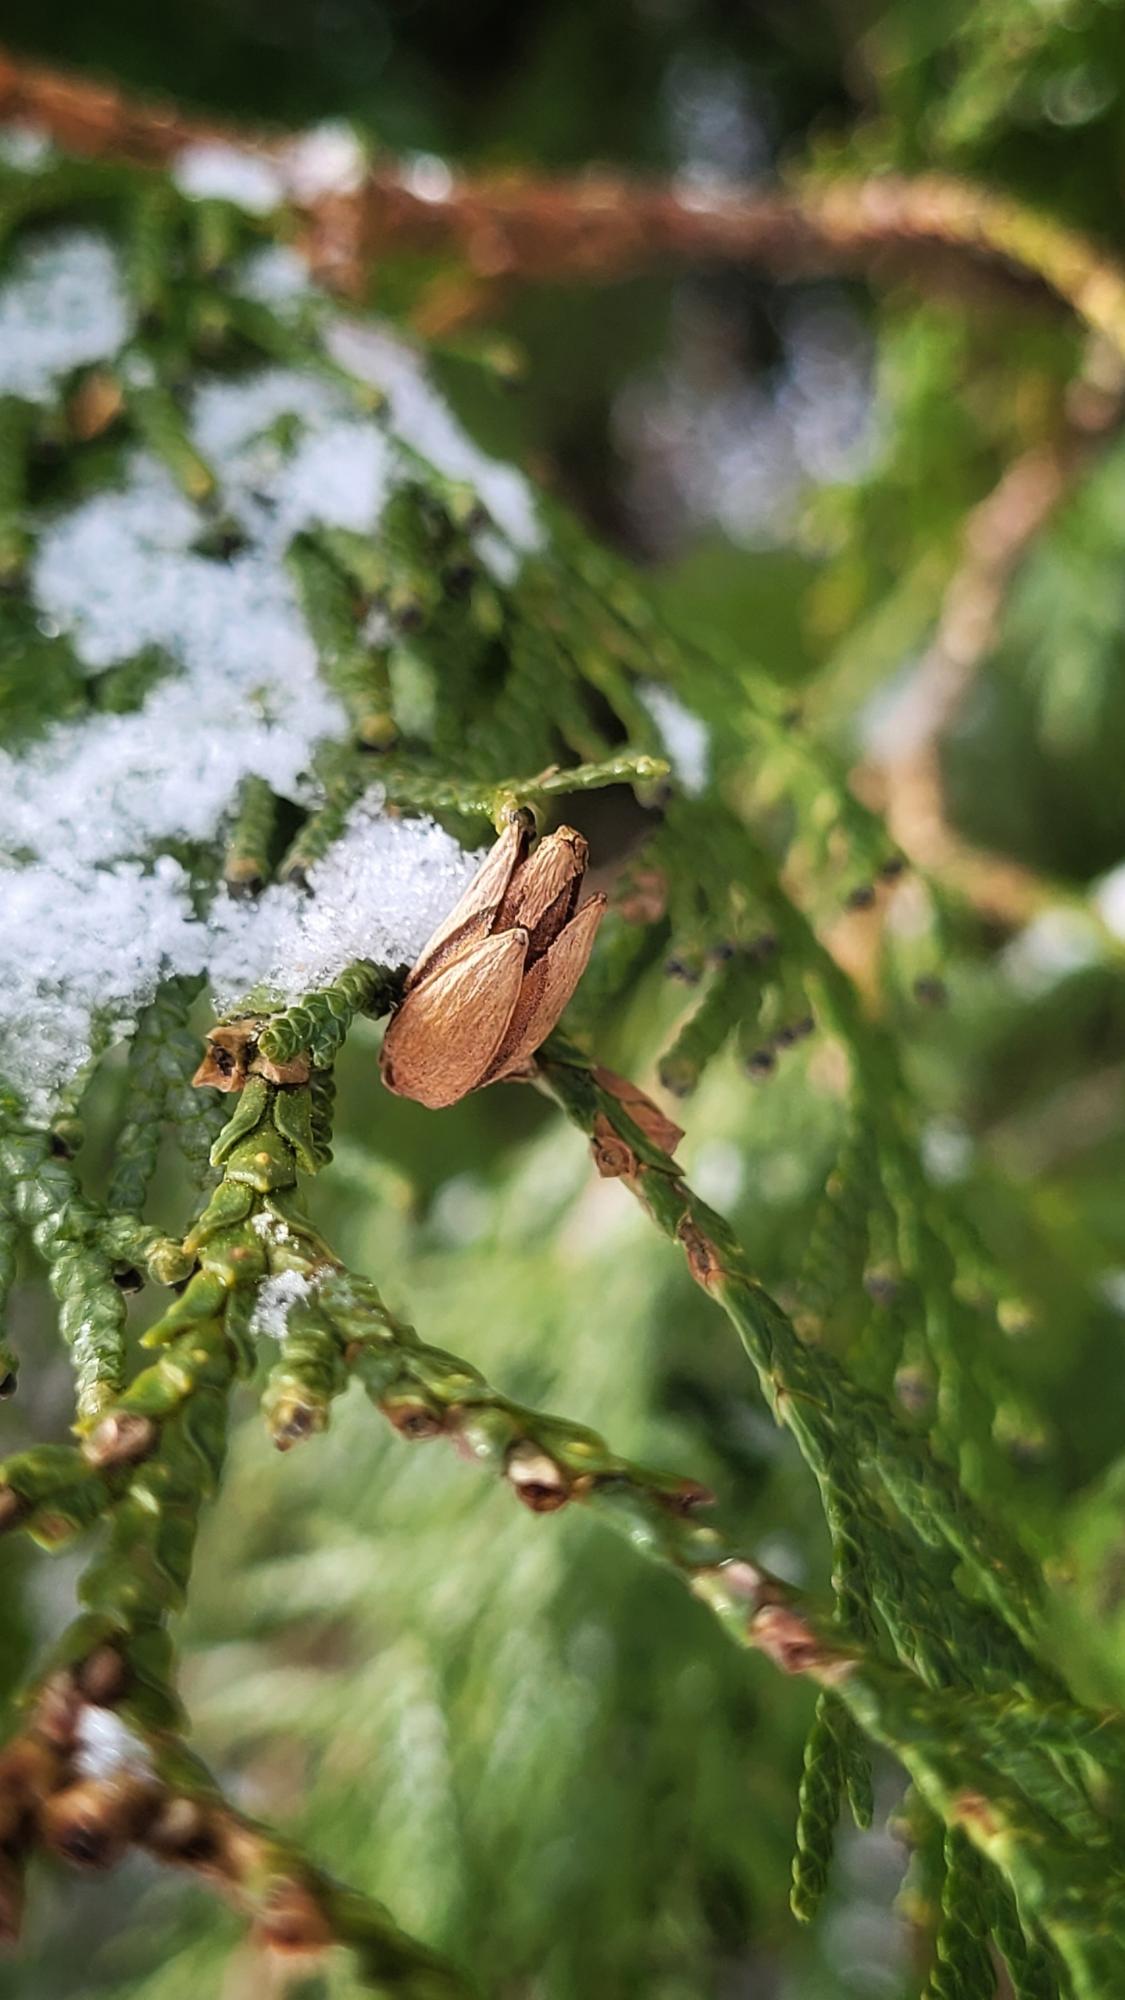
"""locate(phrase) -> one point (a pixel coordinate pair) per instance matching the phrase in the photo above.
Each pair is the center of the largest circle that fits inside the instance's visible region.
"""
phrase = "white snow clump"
(96, 906)
(62, 307)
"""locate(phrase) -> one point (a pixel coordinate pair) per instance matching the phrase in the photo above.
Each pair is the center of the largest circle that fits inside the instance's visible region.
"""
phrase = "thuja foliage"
(473, 668)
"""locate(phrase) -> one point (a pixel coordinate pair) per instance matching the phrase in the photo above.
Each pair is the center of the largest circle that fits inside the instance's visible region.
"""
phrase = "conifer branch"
(805, 1388)
(528, 656)
(87, 1779)
(145, 1459)
(146, 1468)
(152, 1457)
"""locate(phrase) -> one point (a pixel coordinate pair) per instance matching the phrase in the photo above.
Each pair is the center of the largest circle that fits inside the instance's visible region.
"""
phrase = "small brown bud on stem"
(57, 1710)
(92, 1822)
(181, 1830)
(121, 1439)
(293, 1920)
(412, 1418)
(536, 1479)
(103, 1676)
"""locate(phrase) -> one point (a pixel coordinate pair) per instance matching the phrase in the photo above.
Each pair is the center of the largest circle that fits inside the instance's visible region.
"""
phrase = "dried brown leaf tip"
(785, 1636)
(536, 1479)
(96, 403)
(614, 1158)
(650, 1119)
(495, 977)
(233, 1055)
(703, 1260)
(120, 1440)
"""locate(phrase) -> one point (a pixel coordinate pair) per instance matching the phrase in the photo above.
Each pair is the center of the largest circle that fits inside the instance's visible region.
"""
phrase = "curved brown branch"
(905, 783)
(602, 224)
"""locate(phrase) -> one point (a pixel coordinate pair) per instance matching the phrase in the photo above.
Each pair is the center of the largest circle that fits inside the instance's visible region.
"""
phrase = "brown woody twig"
(604, 224)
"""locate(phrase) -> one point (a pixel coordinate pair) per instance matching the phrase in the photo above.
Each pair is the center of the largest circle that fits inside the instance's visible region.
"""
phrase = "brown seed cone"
(613, 1158)
(448, 1030)
(226, 1064)
(547, 988)
(543, 892)
(96, 403)
(233, 1055)
(474, 916)
(412, 1417)
(495, 977)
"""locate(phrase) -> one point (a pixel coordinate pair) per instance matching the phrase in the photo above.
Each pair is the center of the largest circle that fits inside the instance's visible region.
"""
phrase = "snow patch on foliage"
(96, 905)
(210, 170)
(85, 946)
(338, 472)
(62, 307)
(26, 146)
(276, 275)
(424, 421)
(275, 1300)
(82, 946)
(379, 893)
(105, 1747)
(683, 735)
(120, 574)
(327, 159)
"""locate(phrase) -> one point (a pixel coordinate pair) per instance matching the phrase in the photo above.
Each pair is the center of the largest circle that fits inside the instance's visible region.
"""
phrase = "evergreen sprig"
(1004, 1773)
(450, 680)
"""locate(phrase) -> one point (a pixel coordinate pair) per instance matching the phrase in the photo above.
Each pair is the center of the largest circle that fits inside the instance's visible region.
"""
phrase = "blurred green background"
(538, 1753)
